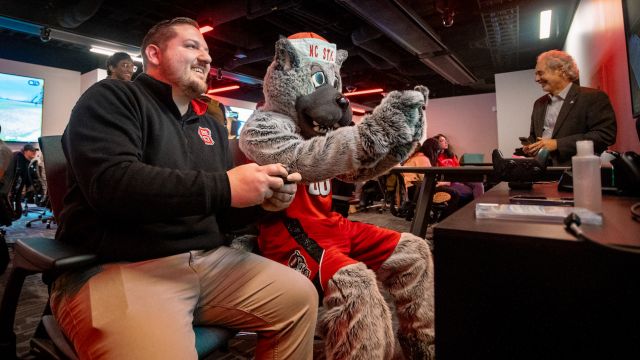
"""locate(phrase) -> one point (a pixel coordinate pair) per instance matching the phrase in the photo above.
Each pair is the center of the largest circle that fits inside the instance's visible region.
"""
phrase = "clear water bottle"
(587, 185)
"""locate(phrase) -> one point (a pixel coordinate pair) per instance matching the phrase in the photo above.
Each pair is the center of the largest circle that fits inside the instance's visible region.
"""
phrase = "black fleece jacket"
(143, 181)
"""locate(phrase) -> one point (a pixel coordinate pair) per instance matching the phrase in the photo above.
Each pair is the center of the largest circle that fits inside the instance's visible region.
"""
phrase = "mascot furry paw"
(306, 124)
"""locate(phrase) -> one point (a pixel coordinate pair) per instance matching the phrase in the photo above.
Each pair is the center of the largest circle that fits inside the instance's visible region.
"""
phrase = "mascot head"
(303, 82)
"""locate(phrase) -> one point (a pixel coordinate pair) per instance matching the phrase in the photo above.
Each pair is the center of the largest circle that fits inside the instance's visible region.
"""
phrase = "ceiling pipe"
(226, 11)
(389, 55)
(251, 56)
(402, 25)
(372, 60)
(224, 74)
(369, 39)
(75, 15)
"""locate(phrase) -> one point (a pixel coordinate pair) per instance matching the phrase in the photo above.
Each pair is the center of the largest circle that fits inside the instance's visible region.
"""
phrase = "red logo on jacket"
(205, 135)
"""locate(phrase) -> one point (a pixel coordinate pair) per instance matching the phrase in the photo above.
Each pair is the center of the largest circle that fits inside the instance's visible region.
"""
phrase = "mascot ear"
(342, 56)
(286, 57)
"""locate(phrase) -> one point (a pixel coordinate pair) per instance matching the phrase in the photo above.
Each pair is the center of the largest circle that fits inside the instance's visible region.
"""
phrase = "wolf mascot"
(304, 124)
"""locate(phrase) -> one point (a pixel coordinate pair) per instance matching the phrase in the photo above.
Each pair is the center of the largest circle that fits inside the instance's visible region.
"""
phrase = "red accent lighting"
(358, 110)
(205, 29)
(226, 88)
(362, 92)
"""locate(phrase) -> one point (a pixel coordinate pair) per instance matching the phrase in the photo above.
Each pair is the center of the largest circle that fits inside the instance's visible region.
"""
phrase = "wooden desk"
(460, 174)
(525, 290)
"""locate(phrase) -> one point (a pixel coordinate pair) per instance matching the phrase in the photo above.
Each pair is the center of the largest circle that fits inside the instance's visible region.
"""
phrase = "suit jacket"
(586, 114)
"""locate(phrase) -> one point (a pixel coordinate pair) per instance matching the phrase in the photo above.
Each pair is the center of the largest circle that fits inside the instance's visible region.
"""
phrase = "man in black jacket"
(152, 192)
(568, 112)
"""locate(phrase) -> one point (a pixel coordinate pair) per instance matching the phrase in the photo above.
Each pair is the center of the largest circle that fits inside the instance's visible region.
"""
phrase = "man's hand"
(283, 197)
(549, 144)
(252, 184)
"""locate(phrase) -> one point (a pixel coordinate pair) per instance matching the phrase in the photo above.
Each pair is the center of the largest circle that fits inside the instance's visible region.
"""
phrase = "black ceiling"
(486, 36)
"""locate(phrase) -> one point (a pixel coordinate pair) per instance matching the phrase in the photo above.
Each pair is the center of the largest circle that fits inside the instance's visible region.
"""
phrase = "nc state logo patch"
(205, 135)
(299, 264)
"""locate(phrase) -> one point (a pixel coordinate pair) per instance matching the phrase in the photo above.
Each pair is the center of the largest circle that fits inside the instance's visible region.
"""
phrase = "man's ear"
(153, 54)
(342, 56)
(286, 57)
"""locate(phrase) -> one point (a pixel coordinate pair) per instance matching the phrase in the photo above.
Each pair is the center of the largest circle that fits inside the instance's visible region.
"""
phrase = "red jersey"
(314, 240)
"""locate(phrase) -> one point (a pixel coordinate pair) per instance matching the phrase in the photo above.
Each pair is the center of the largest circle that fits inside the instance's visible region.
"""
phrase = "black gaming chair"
(7, 214)
(50, 257)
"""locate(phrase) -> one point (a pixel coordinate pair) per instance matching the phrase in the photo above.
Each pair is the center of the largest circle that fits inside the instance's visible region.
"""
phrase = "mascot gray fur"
(305, 125)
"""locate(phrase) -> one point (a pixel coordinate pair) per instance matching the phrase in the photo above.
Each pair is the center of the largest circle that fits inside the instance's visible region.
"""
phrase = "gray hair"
(560, 60)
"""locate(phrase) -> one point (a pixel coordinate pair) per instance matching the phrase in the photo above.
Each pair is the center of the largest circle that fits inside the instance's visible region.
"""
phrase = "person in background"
(120, 66)
(568, 113)
(152, 192)
(23, 180)
(447, 158)
(460, 193)
(5, 157)
(215, 109)
(417, 159)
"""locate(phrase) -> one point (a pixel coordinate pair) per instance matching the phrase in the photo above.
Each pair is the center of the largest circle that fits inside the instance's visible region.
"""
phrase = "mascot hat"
(312, 47)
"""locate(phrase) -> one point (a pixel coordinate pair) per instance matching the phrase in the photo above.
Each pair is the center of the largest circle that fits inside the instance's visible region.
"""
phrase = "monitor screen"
(238, 116)
(21, 108)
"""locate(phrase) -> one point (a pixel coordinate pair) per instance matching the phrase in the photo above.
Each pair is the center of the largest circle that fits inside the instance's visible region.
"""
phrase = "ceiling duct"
(251, 56)
(373, 60)
(85, 41)
(401, 24)
(501, 23)
(75, 15)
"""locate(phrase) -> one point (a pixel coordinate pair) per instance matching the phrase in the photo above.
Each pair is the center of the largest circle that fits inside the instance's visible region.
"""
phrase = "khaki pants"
(147, 309)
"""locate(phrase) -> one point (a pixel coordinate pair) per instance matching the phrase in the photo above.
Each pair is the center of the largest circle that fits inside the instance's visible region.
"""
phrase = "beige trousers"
(147, 309)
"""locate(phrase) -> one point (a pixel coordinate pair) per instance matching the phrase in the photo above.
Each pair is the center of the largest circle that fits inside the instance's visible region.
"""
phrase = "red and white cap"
(313, 48)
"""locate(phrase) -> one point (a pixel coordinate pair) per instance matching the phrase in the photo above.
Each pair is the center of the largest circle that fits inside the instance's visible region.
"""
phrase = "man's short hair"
(29, 147)
(162, 32)
(114, 59)
(560, 60)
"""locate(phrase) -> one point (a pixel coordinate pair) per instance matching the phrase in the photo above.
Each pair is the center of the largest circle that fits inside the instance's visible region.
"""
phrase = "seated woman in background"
(427, 155)
(460, 193)
(447, 158)
(410, 179)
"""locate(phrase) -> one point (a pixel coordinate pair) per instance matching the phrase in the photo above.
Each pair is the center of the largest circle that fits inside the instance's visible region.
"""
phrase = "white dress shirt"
(553, 109)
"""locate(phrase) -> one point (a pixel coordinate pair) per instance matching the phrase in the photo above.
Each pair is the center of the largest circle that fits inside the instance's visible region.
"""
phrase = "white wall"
(515, 94)
(469, 122)
(90, 78)
(61, 91)
(596, 40)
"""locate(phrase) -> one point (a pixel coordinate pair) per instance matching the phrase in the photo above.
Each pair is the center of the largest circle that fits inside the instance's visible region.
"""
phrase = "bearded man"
(151, 191)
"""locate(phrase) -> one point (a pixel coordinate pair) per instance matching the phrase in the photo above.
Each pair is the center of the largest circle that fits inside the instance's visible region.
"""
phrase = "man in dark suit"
(568, 112)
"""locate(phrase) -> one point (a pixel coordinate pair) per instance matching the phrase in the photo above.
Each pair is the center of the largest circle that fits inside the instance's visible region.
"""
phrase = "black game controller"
(519, 170)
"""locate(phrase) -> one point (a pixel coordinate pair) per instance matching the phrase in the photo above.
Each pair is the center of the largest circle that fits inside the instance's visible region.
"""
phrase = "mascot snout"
(323, 110)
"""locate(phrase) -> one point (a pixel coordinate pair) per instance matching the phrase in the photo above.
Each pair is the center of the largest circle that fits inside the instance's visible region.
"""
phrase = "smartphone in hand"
(524, 140)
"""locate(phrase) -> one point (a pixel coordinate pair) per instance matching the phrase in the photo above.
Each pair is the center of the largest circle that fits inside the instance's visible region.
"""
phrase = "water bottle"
(587, 186)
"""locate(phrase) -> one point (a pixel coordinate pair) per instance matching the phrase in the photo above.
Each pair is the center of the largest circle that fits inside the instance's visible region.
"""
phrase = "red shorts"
(320, 247)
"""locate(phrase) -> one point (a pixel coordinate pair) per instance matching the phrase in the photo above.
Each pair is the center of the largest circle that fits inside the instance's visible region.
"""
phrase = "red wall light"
(205, 29)
(226, 88)
(362, 92)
